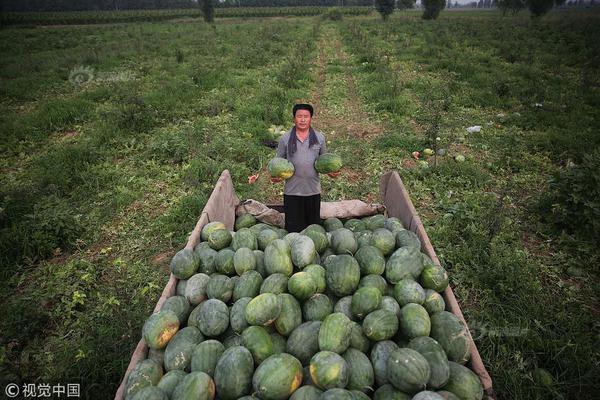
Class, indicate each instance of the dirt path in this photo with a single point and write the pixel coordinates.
(343, 118)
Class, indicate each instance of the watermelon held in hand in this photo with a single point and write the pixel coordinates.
(280, 168)
(328, 163)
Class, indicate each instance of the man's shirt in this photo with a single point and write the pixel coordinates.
(305, 181)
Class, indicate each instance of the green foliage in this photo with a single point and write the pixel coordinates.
(572, 200)
(405, 4)
(539, 7)
(208, 10)
(385, 8)
(432, 8)
(514, 6)
(333, 14)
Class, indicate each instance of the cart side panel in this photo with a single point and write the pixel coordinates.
(219, 207)
(398, 204)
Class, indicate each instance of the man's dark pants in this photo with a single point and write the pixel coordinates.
(301, 211)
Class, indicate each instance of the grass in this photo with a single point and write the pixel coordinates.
(102, 182)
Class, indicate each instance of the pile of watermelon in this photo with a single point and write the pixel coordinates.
(344, 310)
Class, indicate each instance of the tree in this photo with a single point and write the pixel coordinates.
(432, 8)
(385, 8)
(539, 7)
(405, 4)
(208, 10)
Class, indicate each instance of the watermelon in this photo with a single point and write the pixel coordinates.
(303, 342)
(464, 383)
(452, 335)
(434, 277)
(408, 291)
(219, 239)
(302, 285)
(279, 343)
(319, 239)
(329, 370)
(280, 168)
(358, 340)
(542, 377)
(407, 370)
(371, 260)
(248, 285)
(290, 237)
(406, 238)
(332, 224)
(232, 341)
(383, 240)
(379, 356)
(237, 315)
(180, 288)
(334, 334)
(317, 308)
(380, 325)
(233, 373)
(358, 395)
(195, 290)
(277, 377)
(290, 315)
(184, 263)
(265, 237)
(434, 302)
(342, 274)
(307, 392)
(388, 392)
(145, 373)
(220, 287)
(213, 318)
(343, 241)
(344, 306)
(244, 221)
(393, 224)
(447, 395)
(406, 262)
(224, 262)
(337, 394)
(327, 163)
(170, 381)
(178, 352)
(414, 321)
(374, 222)
(427, 395)
(318, 273)
(150, 393)
(259, 255)
(244, 260)
(374, 281)
(205, 356)
(365, 300)
(244, 238)
(355, 225)
(302, 251)
(179, 305)
(436, 357)
(390, 304)
(156, 355)
(361, 376)
(278, 258)
(263, 309)
(259, 342)
(276, 284)
(160, 328)
(195, 385)
(210, 227)
(363, 238)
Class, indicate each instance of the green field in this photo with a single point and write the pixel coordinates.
(114, 135)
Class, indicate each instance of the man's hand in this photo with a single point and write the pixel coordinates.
(333, 174)
(276, 180)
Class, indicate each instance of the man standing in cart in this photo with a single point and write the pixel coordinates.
(302, 145)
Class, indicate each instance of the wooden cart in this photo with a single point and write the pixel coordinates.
(221, 207)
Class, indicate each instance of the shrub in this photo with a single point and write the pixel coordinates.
(432, 8)
(333, 13)
(572, 201)
(385, 8)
